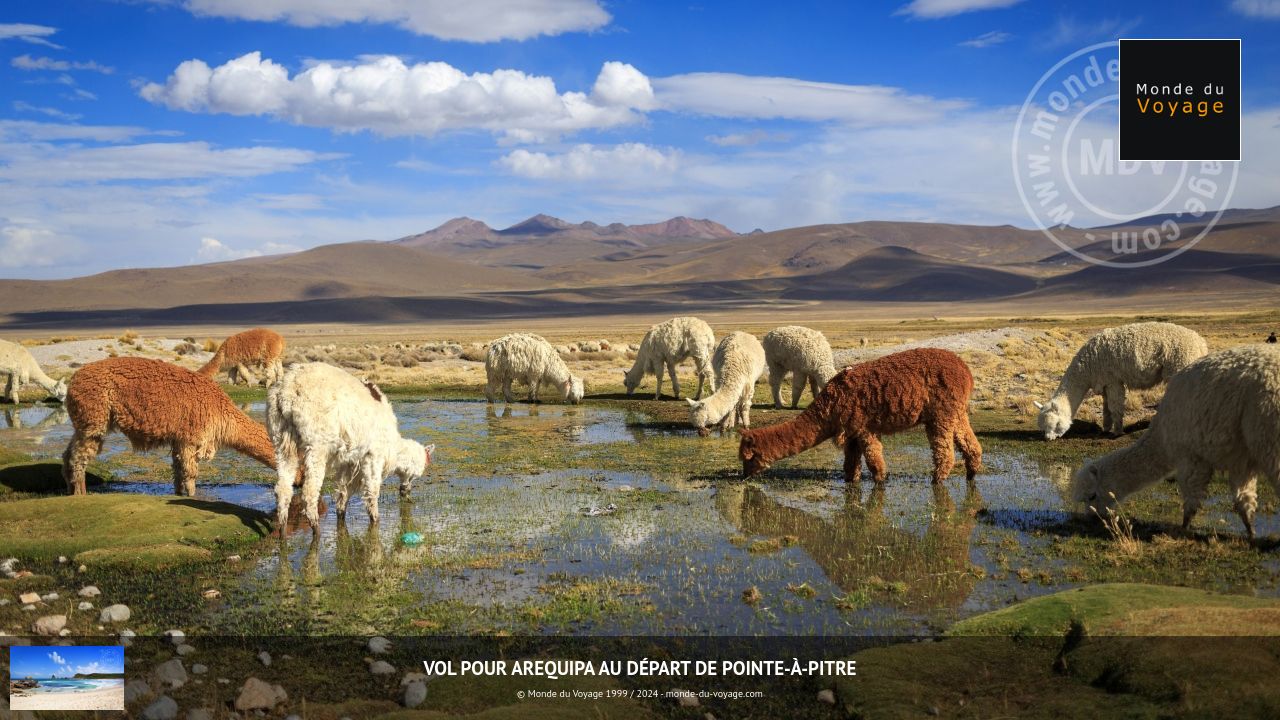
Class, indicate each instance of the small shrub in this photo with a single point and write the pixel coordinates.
(128, 337)
(210, 346)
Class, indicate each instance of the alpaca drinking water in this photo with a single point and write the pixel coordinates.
(738, 363)
(259, 347)
(21, 368)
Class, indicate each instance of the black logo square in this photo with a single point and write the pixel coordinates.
(1180, 100)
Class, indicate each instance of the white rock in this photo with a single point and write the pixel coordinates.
(49, 597)
(415, 694)
(199, 669)
(29, 598)
(223, 681)
(4, 601)
(9, 566)
(82, 568)
(85, 605)
(379, 645)
(264, 657)
(49, 624)
(185, 649)
(164, 708)
(177, 637)
(827, 697)
(28, 608)
(114, 614)
(136, 690)
(258, 695)
(171, 673)
(413, 677)
(62, 559)
(64, 633)
(382, 667)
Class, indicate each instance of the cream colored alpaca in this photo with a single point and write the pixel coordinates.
(21, 368)
(738, 362)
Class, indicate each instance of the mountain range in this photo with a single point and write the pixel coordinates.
(545, 266)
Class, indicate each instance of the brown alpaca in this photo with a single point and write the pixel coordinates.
(156, 404)
(259, 346)
(927, 387)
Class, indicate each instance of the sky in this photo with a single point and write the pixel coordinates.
(168, 132)
(64, 660)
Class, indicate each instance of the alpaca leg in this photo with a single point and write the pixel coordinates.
(703, 378)
(11, 389)
(675, 382)
(853, 450)
(1193, 485)
(944, 451)
(1113, 397)
(313, 471)
(815, 387)
(744, 406)
(798, 380)
(371, 478)
(506, 390)
(489, 389)
(776, 376)
(658, 369)
(185, 469)
(244, 375)
(288, 475)
(970, 448)
(1245, 488)
(79, 452)
(342, 491)
(873, 451)
(535, 386)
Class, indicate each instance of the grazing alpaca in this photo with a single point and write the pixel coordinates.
(322, 417)
(17, 363)
(155, 404)
(738, 363)
(532, 360)
(1136, 356)
(668, 344)
(885, 396)
(259, 346)
(1221, 413)
(802, 352)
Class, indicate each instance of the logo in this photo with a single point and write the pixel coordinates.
(1095, 206)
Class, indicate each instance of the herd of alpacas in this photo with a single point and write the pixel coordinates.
(1220, 411)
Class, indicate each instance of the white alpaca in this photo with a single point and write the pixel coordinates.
(324, 418)
(668, 344)
(17, 363)
(802, 352)
(1129, 357)
(738, 363)
(1221, 413)
(531, 360)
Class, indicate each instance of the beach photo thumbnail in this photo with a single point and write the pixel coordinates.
(85, 677)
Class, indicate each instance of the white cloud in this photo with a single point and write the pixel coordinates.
(42, 163)
(1258, 8)
(588, 162)
(1070, 31)
(26, 62)
(56, 658)
(214, 250)
(34, 34)
(93, 667)
(750, 96)
(987, 39)
(388, 97)
(475, 21)
(27, 245)
(933, 9)
(747, 139)
(38, 131)
(22, 106)
(289, 201)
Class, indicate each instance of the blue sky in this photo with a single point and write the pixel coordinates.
(167, 132)
(64, 660)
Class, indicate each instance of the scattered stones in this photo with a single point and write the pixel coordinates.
(9, 567)
(185, 649)
(171, 673)
(415, 693)
(29, 598)
(4, 601)
(412, 678)
(379, 645)
(211, 594)
(686, 698)
(28, 608)
(136, 690)
(233, 558)
(89, 591)
(85, 605)
(827, 696)
(256, 694)
(49, 625)
(200, 714)
(264, 657)
(382, 667)
(83, 568)
(62, 559)
(164, 708)
(49, 597)
(126, 636)
(64, 632)
(177, 637)
(198, 669)
(223, 681)
(114, 614)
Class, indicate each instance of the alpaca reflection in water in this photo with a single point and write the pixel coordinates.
(859, 548)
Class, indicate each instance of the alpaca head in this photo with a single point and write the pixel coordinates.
(573, 390)
(59, 391)
(412, 459)
(1055, 417)
(752, 461)
(631, 379)
(1092, 486)
(700, 416)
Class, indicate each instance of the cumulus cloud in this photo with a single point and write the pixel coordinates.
(589, 162)
(26, 62)
(987, 39)
(56, 658)
(34, 34)
(214, 250)
(387, 96)
(28, 245)
(474, 21)
(750, 96)
(1258, 8)
(43, 163)
(933, 9)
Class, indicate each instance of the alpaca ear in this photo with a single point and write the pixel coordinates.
(1039, 405)
(429, 450)
(692, 403)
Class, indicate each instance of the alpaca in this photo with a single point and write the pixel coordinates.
(1221, 413)
(17, 363)
(259, 346)
(884, 396)
(532, 360)
(154, 404)
(802, 352)
(666, 345)
(321, 417)
(1136, 356)
(738, 363)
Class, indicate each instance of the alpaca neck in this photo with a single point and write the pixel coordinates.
(789, 438)
(1073, 388)
(214, 365)
(1137, 466)
(244, 435)
(37, 376)
(725, 398)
